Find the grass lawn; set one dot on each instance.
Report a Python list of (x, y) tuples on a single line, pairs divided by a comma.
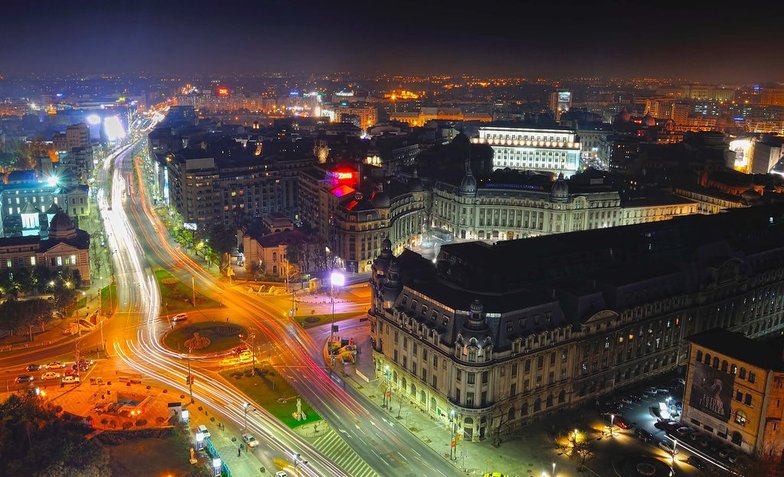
[(108, 298), (223, 336), (267, 389), (307, 321), (176, 296)]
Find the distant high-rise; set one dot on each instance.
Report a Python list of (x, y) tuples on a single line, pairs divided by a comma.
[(560, 102)]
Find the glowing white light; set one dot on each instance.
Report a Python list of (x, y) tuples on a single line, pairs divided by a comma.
[(113, 128), (337, 279), (52, 181), (93, 120)]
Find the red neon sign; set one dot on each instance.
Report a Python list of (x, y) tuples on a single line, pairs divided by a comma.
[(223, 91)]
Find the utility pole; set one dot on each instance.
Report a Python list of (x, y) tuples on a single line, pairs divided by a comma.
[(190, 377), (193, 290)]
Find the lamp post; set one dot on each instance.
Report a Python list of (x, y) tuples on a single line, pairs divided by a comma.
[(612, 418), (245, 407), (190, 376), (252, 338), (553, 469), (336, 279), (453, 435)]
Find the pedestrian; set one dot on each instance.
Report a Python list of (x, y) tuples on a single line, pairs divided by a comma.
[(239, 449)]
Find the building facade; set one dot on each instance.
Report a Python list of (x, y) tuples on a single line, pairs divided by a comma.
[(14, 196), (501, 335), (66, 248), (526, 148), (735, 390)]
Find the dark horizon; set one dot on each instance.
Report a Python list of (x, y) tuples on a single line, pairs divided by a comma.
[(609, 38)]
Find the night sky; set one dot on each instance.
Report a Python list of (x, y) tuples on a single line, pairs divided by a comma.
[(695, 39)]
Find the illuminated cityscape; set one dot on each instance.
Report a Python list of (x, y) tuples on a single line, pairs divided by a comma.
[(423, 239)]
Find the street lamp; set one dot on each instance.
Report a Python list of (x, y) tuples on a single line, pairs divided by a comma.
[(252, 348), (612, 418), (453, 437), (190, 376), (554, 462), (336, 279), (245, 407)]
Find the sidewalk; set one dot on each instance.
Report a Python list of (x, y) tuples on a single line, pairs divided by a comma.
[(529, 452)]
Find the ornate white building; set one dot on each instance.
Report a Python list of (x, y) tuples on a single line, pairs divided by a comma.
[(555, 150)]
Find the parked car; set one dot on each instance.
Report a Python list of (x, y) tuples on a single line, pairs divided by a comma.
[(683, 431), (643, 435), (697, 462), (55, 365), (667, 446), (25, 378), (732, 458), (33, 367), (179, 317), (280, 473), (70, 380), (724, 452), (618, 421), (50, 375), (250, 440), (204, 431)]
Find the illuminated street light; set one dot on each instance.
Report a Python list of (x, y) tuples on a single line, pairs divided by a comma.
[(245, 406), (612, 418), (336, 279), (554, 462), (93, 120)]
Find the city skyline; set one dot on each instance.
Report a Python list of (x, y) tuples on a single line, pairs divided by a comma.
[(609, 39)]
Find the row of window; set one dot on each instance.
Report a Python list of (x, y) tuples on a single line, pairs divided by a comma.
[(726, 367)]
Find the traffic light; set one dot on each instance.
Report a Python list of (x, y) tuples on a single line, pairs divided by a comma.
[(189, 380)]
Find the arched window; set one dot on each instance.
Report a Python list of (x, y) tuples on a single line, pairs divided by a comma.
[(537, 405), (699, 356), (707, 358), (716, 363), (468, 422), (562, 397), (737, 438), (740, 417), (511, 415), (724, 366), (550, 401), (524, 409)]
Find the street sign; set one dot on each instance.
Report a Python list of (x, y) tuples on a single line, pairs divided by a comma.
[(453, 443)]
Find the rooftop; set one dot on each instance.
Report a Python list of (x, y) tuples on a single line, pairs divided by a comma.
[(757, 353)]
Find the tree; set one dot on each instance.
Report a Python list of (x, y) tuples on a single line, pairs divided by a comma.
[(222, 242), (36, 441)]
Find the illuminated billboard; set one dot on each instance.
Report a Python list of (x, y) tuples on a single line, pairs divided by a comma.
[(711, 391), (222, 91), (343, 176), (564, 97)]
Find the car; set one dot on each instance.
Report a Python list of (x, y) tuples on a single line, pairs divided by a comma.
[(50, 375), (238, 349), (697, 462), (667, 447), (643, 435), (682, 381), (280, 473), (25, 378), (33, 367), (55, 365), (704, 443), (70, 380), (250, 440), (246, 355), (204, 431), (618, 421), (683, 431), (724, 452), (732, 458), (179, 317)]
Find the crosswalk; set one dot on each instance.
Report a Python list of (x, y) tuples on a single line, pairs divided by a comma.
[(333, 446)]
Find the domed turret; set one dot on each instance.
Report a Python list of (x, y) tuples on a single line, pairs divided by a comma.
[(381, 263), (393, 286), (476, 325), (560, 190), (648, 121), (468, 184), (623, 116), (61, 227)]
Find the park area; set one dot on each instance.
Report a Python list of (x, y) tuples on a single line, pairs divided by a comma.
[(270, 391), (204, 337), (176, 296)]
